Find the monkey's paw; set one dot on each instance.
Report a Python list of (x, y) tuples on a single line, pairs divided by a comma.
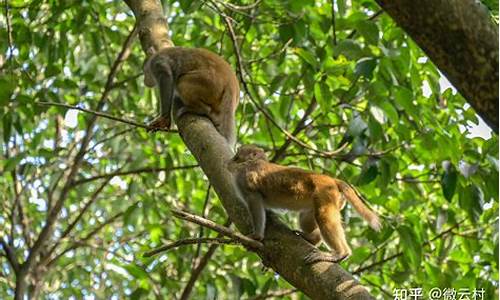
[(256, 236), (318, 256), (160, 122)]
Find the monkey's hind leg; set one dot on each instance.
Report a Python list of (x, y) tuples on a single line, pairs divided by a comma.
[(197, 94), (310, 231), (328, 218)]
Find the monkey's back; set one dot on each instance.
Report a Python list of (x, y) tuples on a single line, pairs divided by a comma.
[(188, 60), (290, 187)]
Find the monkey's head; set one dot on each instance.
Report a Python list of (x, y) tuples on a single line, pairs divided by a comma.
[(249, 153)]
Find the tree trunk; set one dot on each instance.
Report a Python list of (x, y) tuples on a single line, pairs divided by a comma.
[(461, 40)]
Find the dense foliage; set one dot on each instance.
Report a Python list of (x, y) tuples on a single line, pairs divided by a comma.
[(350, 82)]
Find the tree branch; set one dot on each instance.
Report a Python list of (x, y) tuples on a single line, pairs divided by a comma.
[(184, 242), (216, 227), (131, 172), (10, 254), (283, 250), (99, 114)]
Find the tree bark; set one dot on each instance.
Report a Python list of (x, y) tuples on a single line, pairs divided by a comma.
[(461, 40), (283, 250)]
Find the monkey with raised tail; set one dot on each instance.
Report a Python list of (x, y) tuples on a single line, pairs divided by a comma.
[(196, 81), (319, 199)]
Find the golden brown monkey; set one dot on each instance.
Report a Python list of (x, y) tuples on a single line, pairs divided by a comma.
[(196, 81), (319, 198)]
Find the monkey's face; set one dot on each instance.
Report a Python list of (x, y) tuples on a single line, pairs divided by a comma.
[(249, 153)]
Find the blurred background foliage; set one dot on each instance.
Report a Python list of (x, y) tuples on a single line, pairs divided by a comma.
[(351, 81)]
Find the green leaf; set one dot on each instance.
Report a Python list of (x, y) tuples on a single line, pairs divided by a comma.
[(342, 7), (6, 89), (390, 111), (136, 271), (138, 294), (369, 30), (365, 67), (412, 249), (356, 127), (349, 49), (471, 200), (323, 95), (378, 114), (307, 56), (368, 173), (13, 162), (449, 180), (7, 127), (156, 233), (404, 98)]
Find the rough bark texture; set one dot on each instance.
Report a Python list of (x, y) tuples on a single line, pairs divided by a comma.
[(461, 40), (283, 250), (153, 27)]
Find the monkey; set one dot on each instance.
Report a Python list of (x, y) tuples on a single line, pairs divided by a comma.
[(317, 197), (193, 80)]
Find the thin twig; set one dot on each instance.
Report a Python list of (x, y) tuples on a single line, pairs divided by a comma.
[(101, 114), (130, 172), (216, 227), (240, 70), (300, 126), (72, 225), (195, 273), (183, 242), (200, 233)]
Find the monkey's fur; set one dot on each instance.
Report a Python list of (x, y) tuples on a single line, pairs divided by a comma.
[(319, 198), (195, 81)]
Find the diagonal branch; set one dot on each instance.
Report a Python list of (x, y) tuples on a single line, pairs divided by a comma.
[(99, 114), (216, 227), (184, 242), (283, 250)]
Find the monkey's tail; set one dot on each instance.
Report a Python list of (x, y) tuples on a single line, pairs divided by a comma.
[(228, 125), (359, 205)]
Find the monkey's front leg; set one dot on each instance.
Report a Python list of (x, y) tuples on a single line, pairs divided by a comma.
[(166, 85), (258, 212)]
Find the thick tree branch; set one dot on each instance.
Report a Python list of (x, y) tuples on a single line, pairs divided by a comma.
[(461, 40), (283, 250), (153, 27)]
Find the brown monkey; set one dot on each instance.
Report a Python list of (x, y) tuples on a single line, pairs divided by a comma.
[(195, 81), (319, 198)]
